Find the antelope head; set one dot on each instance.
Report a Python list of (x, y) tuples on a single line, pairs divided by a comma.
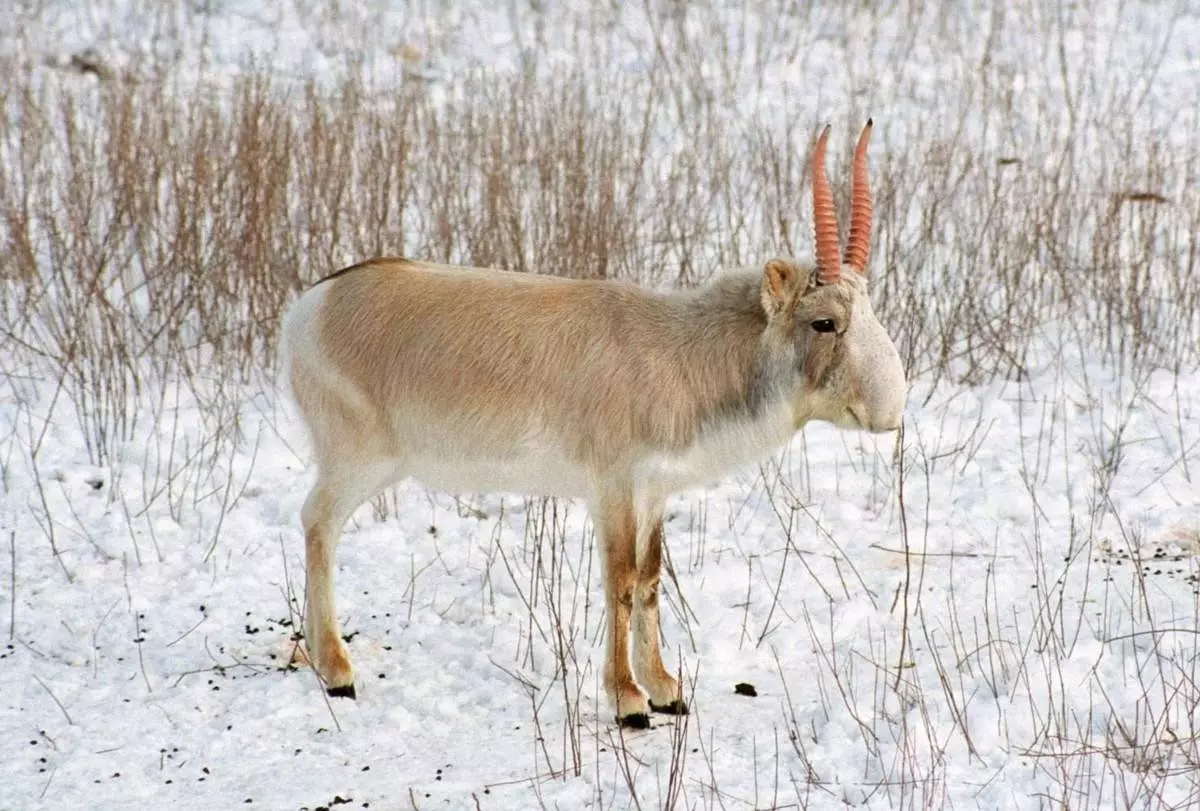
[(847, 370)]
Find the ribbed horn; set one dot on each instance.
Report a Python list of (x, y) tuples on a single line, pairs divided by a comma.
[(829, 268), (858, 244)]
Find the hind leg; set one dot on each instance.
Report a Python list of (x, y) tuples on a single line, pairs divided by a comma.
[(332, 500)]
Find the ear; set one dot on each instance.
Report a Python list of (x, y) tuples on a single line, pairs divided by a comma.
[(780, 283)]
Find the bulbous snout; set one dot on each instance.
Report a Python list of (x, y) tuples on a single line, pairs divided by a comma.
[(883, 386), (890, 395)]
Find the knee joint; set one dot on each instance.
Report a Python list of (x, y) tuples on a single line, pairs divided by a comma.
[(648, 592), (625, 598)]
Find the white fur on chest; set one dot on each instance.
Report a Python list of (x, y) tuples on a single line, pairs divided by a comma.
[(722, 449)]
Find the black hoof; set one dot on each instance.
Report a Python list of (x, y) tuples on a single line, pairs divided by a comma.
[(676, 707), (638, 720), (345, 691)]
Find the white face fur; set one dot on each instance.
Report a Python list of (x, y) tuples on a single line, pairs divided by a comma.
[(851, 374)]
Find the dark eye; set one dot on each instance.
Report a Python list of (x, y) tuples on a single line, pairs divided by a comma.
[(824, 325)]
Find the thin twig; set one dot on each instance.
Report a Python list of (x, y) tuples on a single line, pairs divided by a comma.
[(904, 641), (915, 554), (12, 590), (50, 693)]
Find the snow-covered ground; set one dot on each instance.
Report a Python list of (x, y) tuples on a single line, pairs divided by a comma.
[(998, 609)]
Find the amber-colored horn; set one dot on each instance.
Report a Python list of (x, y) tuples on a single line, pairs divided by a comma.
[(829, 268), (858, 244)]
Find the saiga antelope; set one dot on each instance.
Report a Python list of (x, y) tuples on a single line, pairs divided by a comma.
[(484, 380)]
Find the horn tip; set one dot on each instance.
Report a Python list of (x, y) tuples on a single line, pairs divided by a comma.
[(866, 135)]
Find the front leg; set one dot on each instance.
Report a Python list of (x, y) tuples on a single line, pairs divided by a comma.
[(617, 526), (665, 693)]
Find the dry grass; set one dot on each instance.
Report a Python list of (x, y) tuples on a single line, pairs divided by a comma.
[(152, 234), (165, 229)]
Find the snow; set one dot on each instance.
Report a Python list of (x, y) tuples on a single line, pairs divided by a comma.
[(148, 606)]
